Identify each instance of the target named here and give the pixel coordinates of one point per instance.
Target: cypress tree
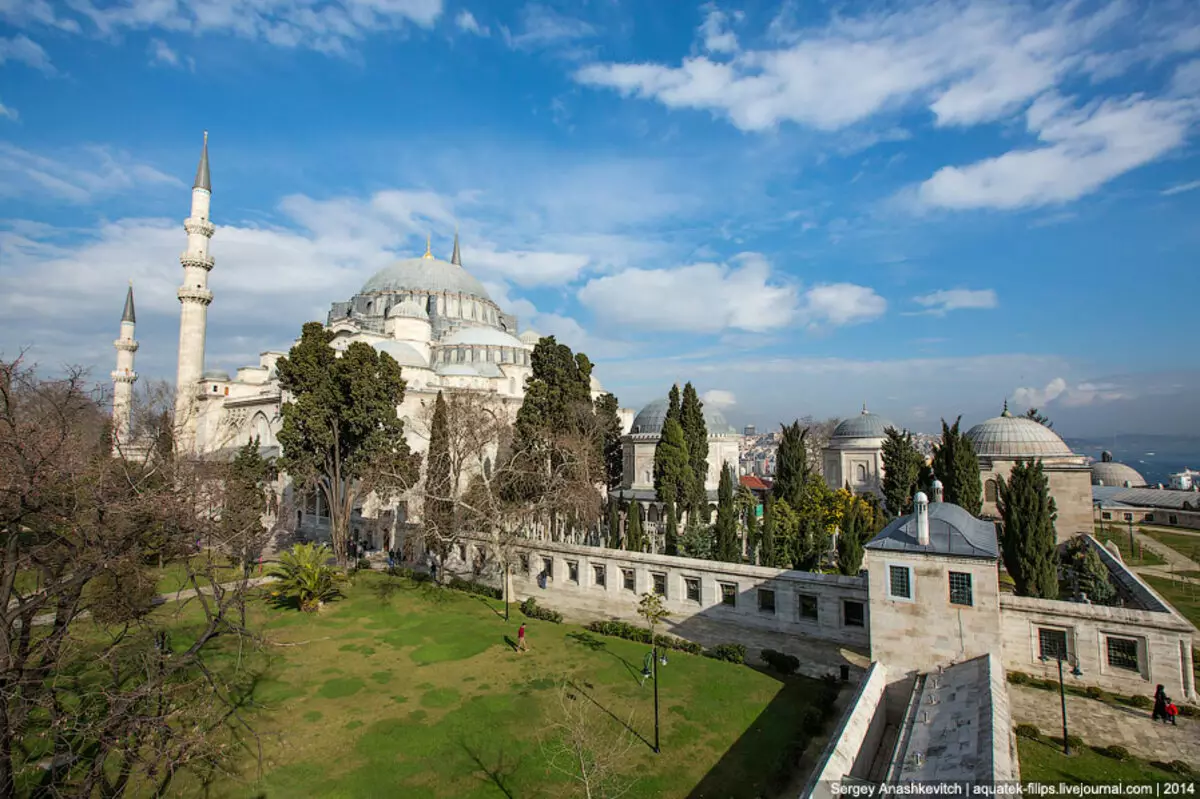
(695, 433)
(753, 535)
(673, 403)
(614, 524)
(635, 539)
(850, 538)
(672, 471)
(791, 465)
(672, 527)
(901, 471)
(767, 555)
(1027, 540)
(955, 464)
(726, 527)
(606, 407)
(439, 504)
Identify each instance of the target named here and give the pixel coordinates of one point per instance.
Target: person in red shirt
(521, 645)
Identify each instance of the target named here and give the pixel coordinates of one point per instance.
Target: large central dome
(1016, 436)
(425, 275)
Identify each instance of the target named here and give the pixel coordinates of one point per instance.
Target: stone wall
(1070, 482)
(594, 580)
(858, 733)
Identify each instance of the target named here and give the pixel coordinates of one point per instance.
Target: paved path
(162, 599)
(1175, 562)
(1101, 724)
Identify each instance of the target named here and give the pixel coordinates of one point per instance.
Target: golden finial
(428, 250)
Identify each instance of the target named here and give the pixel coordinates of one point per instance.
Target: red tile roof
(752, 482)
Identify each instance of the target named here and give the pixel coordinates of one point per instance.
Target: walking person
(1172, 712)
(522, 646)
(1160, 705)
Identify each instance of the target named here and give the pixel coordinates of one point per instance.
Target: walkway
(162, 599)
(1176, 562)
(1100, 724)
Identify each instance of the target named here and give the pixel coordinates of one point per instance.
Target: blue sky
(799, 207)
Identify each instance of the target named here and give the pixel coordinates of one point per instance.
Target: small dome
(1111, 473)
(1016, 436)
(650, 419)
(530, 337)
(481, 336)
(865, 425)
(920, 497)
(425, 274)
(405, 354)
(409, 309)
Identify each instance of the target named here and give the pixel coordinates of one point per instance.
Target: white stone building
(854, 454)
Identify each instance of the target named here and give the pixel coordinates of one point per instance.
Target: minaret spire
(455, 258)
(194, 299)
(123, 376)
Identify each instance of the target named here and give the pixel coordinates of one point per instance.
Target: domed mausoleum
(1003, 440)
(1107, 472)
(638, 448)
(854, 454)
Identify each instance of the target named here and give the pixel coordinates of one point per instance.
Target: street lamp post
(1062, 693)
(1132, 551)
(656, 749)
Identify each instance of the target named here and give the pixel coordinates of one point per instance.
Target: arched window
(989, 491)
(652, 514)
(862, 473)
(646, 476)
(262, 429)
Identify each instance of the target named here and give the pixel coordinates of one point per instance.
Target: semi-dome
(530, 337)
(1016, 436)
(409, 309)
(405, 354)
(425, 274)
(650, 419)
(865, 425)
(457, 370)
(1111, 473)
(482, 337)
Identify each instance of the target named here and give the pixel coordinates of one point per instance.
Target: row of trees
(954, 464)
(681, 468)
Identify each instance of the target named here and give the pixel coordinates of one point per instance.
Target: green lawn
(1044, 762)
(1186, 545)
(415, 692)
(1184, 596)
(1142, 557)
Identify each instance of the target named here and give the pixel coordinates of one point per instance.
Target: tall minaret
(123, 376)
(194, 298)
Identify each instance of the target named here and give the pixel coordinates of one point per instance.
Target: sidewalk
(1175, 562)
(162, 599)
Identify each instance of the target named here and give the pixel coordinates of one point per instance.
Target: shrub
(633, 632)
(782, 663)
(1074, 741)
(812, 720)
(1093, 692)
(1141, 700)
(1018, 677)
(475, 589)
(731, 653)
(1029, 731)
(1116, 752)
(304, 572)
(530, 608)
(1189, 711)
(1179, 767)
(363, 564)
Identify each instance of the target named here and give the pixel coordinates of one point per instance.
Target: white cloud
(527, 268)
(77, 175)
(714, 31)
(1082, 150)
(8, 113)
(23, 50)
(543, 27)
(1181, 188)
(1187, 77)
(466, 22)
(1058, 391)
(937, 303)
(719, 399)
(1038, 397)
(703, 298)
(968, 62)
(161, 53)
(840, 304)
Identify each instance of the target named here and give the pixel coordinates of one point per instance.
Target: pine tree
(614, 524)
(635, 539)
(901, 471)
(726, 527)
(955, 464)
(850, 537)
(1041, 419)
(767, 537)
(671, 519)
(673, 403)
(695, 433)
(791, 465)
(1028, 541)
(439, 519)
(672, 470)
(697, 538)
(1087, 572)
(609, 422)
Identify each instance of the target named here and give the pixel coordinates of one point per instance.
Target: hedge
(782, 663)
(731, 653)
(1029, 731)
(477, 589)
(633, 632)
(530, 608)
(1140, 701)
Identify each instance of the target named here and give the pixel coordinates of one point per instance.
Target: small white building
(854, 455)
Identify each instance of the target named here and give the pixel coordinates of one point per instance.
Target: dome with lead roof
(1016, 437)
(430, 275)
(865, 425)
(1112, 473)
(650, 420)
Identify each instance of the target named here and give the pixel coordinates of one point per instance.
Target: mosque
(431, 315)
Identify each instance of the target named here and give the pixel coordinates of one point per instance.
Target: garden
(403, 688)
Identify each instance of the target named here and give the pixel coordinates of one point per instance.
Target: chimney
(937, 490)
(921, 511)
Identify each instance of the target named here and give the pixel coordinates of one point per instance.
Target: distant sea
(1154, 457)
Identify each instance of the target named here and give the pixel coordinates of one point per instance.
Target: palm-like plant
(304, 572)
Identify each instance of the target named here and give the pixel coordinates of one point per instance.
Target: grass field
(1043, 761)
(1141, 557)
(1186, 545)
(1184, 596)
(413, 691)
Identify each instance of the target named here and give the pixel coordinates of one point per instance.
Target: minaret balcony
(126, 345)
(124, 377)
(194, 224)
(204, 262)
(195, 295)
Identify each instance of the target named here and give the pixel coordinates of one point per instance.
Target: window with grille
(900, 582)
(629, 579)
(691, 586)
(766, 600)
(1123, 653)
(660, 584)
(808, 606)
(1052, 644)
(960, 589)
(572, 571)
(548, 568)
(599, 576)
(852, 613)
(729, 594)
(524, 563)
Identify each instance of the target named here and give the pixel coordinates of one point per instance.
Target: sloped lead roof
(202, 179)
(425, 275)
(952, 531)
(865, 425)
(129, 315)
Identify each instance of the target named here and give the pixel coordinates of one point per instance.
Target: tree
(673, 403)
(791, 465)
(746, 504)
(585, 745)
(901, 471)
(767, 554)
(727, 548)
(341, 433)
(955, 464)
(851, 535)
(614, 524)
(1033, 414)
(1027, 539)
(439, 517)
(120, 703)
(651, 608)
(671, 527)
(304, 572)
(695, 433)
(697, 539)
(1086, 573)
(672, 475)
(635, 539)
(609, 422)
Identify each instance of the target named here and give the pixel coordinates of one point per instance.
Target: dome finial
(1005, 412)
(428, 250)
(864, 410)
(455, 257)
